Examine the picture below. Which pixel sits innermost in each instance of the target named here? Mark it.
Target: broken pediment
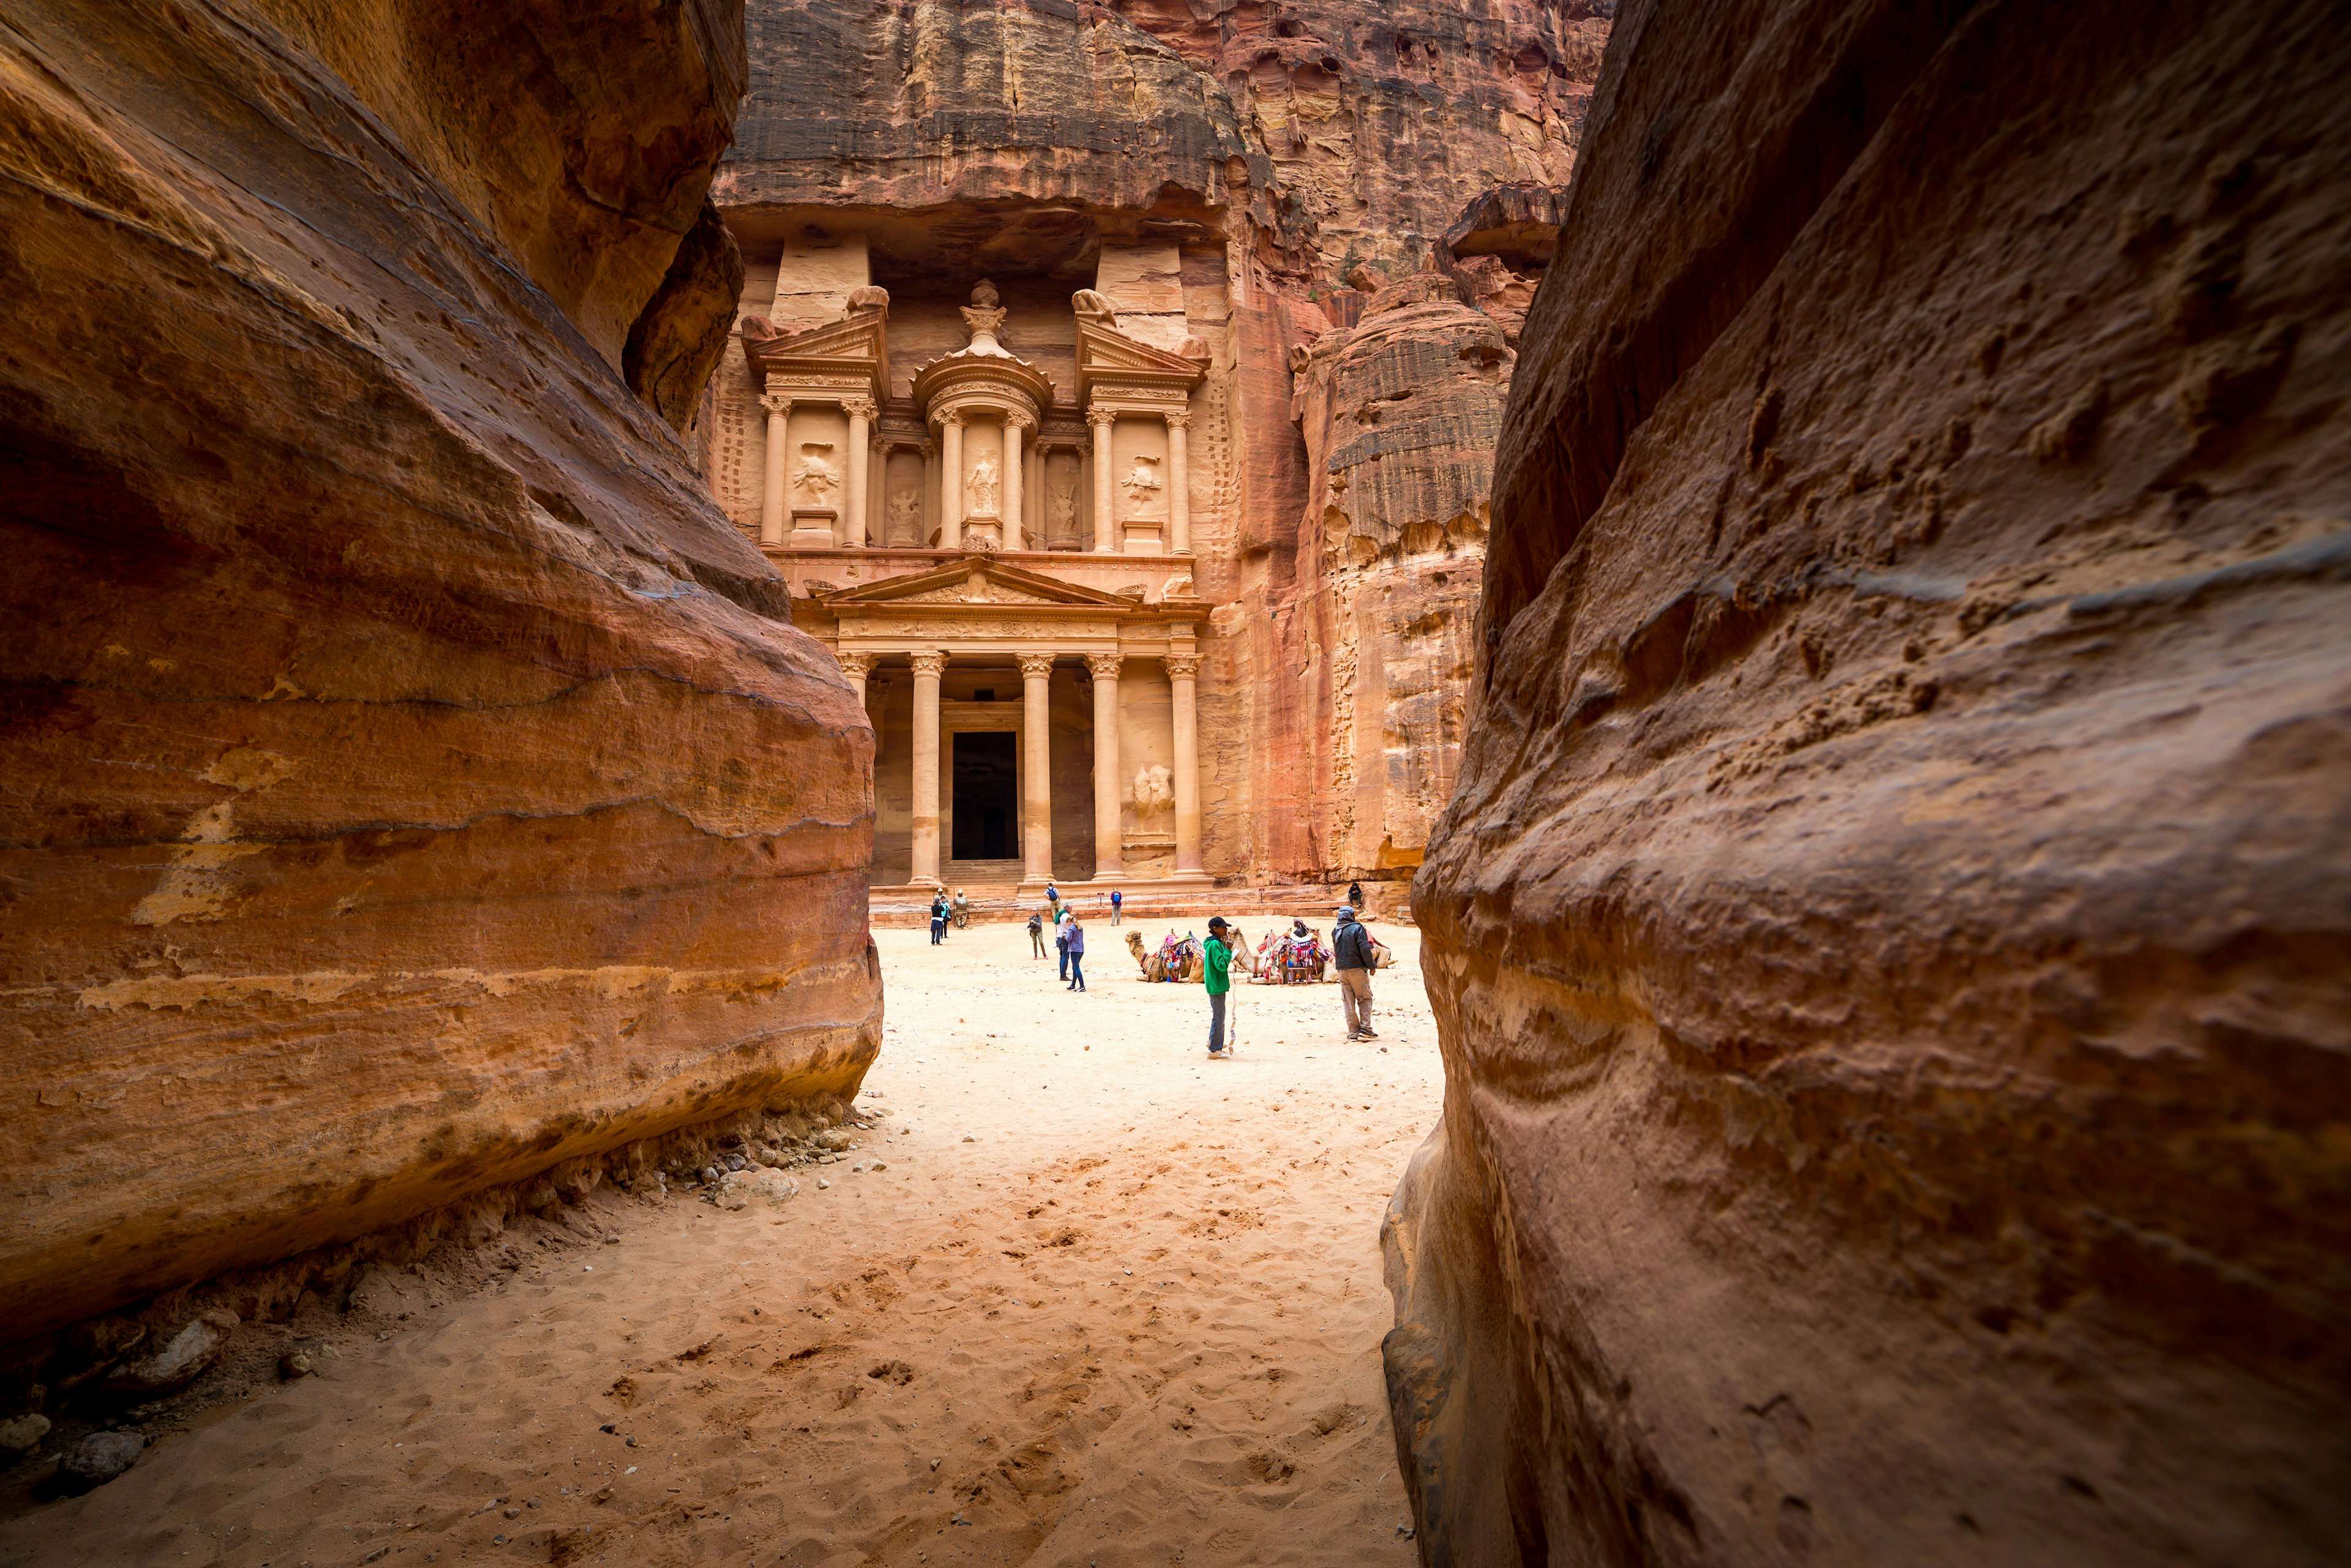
(855, 346)
(1107, 354)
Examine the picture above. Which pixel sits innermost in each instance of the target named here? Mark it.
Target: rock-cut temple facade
(983, 500)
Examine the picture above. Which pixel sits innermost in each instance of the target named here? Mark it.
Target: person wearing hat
(1351, 949)
(1219, 953)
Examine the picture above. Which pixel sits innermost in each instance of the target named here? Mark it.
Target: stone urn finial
(983, 317)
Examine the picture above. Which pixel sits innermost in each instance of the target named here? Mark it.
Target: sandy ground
(1083, 1297)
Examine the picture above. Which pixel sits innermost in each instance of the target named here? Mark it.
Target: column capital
(949, 416)
(1178, 418)
(1019, 419)
(1101, 418)
(933, 664)
(1035, 665)
(860, 407)
(1105, 666)
(777, 402)
(1181, 666)
(854, 664)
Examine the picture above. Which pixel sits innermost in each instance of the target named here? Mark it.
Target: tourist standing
(1351, 949)
(1077, 954)
(1117, 903)
(938, 918)
(1218, 977)
(1037, 931)
(1061, 940)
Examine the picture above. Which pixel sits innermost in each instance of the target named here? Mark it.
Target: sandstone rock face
(1377, 123)
(1892, 936)
(1400, 415)
(413, 783)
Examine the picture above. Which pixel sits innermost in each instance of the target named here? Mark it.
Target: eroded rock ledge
(412, 781)
(1890, 941)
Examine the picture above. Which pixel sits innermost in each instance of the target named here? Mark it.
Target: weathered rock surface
(408, 772)
(179, 1360)
(1377, 123)
(100, 1458)
(1891, 940)
(1399, 414)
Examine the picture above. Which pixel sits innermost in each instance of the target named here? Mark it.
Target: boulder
(408, 766)
(738, 1188)
(1891, 940)
(99, 1459)
(180, 1361)
(23, 1434)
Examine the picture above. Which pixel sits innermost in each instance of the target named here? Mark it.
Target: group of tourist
(1352, 949)
(1069, 935)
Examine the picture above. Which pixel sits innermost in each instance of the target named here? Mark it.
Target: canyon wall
(412, 781)
(1891, 940)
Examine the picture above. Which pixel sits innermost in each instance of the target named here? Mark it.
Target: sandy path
(1109, 1303)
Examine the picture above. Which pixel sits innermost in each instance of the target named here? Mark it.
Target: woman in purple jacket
(1077, 954)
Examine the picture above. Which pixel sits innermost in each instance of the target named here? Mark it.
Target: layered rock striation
(413, 783)
(1890, 940)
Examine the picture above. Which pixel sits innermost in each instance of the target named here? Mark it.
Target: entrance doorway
(987, 797)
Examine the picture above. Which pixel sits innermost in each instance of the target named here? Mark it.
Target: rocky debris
(183, 1357)
(1890, 938)
(99, 1459)
(23, 1434)
(295, 1363)
(398, 503)
(738, 1188)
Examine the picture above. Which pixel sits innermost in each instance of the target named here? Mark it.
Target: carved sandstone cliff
(1400, 415)
(411, 780)
(1890, 943)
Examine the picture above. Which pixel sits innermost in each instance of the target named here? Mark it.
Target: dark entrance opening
(986, 790)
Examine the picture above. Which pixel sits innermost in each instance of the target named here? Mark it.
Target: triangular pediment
(1107, 350)
(976, 580)
(857, 344)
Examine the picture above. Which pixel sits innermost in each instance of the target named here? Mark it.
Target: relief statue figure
(1155, 787)
(1061, 508)
(905, 515)
(1143, 483)
(815, 478)
(979, 490)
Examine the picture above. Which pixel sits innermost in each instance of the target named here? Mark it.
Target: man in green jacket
(1220, 978)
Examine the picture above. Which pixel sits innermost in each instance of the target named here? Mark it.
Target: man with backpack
(1351, 949)
(1117, 903)
(1037, 931)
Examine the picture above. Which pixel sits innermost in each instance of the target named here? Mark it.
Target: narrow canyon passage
(1080, 1296)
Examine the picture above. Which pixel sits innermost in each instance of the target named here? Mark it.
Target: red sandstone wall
(411, 781)
(1890, 940)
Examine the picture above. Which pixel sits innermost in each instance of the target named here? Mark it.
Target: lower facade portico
(1027, 730)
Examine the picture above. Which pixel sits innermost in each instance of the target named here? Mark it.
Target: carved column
(1110, 830)
(1179, 482)
(1016, 459)
(856, 666)
(771, 496)
(951, 490)
(1106, 530)
(861, 411)
(929, 667)
(1036, 766)
(1181, 670)
(877, 495)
